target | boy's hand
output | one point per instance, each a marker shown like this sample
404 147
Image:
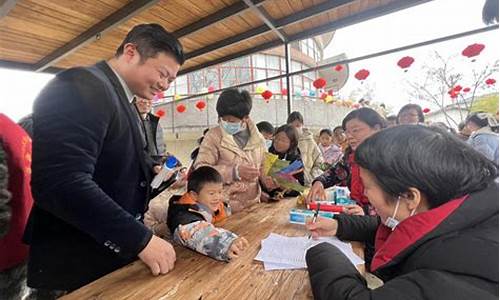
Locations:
237 247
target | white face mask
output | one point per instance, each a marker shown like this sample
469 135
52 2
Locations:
269 143
391 222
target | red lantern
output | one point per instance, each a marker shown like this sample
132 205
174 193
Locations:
362 74
490 81
453 94
339 68
466 90
267 94
473 50
319 83
323 96
211 89
426 110
457 88
405 62
200 105
284 92
181 108
330 92
160 113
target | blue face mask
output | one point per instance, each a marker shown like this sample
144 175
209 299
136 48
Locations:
231 128
269 143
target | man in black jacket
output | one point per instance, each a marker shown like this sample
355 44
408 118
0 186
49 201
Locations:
90 178
152 133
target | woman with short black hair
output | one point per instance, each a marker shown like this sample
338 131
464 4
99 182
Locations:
436 233
235 149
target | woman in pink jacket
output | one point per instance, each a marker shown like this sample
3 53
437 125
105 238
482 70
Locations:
236 149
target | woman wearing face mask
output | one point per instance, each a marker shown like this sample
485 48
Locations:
235 148
436 234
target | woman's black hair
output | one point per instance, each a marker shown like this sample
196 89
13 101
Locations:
295 116
265 127
480 118
366 115
416 107
233 102
429 159
293 136
326 131
201 176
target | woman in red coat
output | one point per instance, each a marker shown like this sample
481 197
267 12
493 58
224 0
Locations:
15 205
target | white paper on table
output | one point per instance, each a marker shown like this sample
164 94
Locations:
282 252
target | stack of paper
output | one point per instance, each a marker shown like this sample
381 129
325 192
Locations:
282 252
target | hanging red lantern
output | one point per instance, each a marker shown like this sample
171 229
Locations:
338 68
362 74
160 113
319 83
200 105
181 108
426 110
405 62
466 90
490 81
210 89
453 94
457 88
473 50
330 92
284 92
267 94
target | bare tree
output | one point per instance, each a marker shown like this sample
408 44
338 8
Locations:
440 77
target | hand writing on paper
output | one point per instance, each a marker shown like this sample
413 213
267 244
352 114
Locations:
317 192
159 256
322 227
354 209
237 247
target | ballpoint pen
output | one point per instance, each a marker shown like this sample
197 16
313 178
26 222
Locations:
314 219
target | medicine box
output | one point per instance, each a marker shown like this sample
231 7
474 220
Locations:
299 216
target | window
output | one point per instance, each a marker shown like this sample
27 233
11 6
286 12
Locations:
212 77
259 74
259 61
181 85
273 62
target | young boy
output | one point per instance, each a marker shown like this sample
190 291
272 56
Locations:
191 217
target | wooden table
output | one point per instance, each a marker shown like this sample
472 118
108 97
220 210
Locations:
196 276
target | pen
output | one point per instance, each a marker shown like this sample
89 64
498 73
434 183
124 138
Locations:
314 218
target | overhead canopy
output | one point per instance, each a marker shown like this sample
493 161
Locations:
50 35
